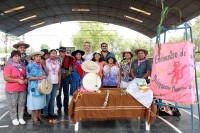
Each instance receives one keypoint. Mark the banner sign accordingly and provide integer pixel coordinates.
(173, 74)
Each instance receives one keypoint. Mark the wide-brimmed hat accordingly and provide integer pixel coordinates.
(46, 51)
(62, 49)
(77, 51)
(127, 51)
(36, 53)
(90, 66)
(21, 43)
(141, 49)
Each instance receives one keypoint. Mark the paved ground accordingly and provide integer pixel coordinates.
(161, 125)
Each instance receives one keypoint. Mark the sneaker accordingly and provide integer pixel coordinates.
(22, 122)
(15, 122)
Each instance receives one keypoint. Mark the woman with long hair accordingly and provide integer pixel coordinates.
(111, 73)
(97, 58)
(125, 68)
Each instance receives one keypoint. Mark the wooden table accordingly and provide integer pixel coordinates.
(89, 106)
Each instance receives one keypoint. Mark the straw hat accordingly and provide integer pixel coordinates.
(127, 51)
(90, 67)
(36, 53)
(91, 82)
(141, 49)
(21, 43)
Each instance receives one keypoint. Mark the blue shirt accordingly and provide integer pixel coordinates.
(108, 55)
(33, 71)
(141, 70)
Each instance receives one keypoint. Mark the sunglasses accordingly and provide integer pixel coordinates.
(104, 46)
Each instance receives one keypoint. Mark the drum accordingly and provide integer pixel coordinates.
(91, 82)
(45, 86)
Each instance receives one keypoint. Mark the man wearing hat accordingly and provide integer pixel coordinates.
(66, 68)
(21, 47)
(141, 68)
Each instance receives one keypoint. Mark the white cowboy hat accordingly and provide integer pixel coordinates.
(90, 66)
(36, 53)
(127, 50)
(21, 43)
(91, 82)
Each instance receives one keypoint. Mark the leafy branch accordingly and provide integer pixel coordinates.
(164, 14)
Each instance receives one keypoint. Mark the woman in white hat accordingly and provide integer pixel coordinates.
(97, 58)
(35, 73)
(125, 68)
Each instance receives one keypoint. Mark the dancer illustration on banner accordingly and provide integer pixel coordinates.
(177, 72)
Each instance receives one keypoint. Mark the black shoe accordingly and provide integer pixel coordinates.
(53, 116)
(59, 111)
(66, 111)
(26, 114)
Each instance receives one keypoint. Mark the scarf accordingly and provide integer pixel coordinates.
(140, 62)
(18, 65)
(38, 65)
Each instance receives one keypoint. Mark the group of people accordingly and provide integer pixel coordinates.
(24, 72)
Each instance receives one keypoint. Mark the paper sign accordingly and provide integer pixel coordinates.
(173, 74)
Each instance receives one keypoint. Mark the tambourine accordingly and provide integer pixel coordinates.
(45, 86)
(91, 82)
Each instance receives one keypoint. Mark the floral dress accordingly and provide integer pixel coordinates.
(35, 100)
(110, 77)
(125, 70)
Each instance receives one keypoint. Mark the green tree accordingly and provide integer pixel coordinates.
(96, 33)
(45, 46)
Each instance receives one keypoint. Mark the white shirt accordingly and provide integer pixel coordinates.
(53, 70)
(89, 56)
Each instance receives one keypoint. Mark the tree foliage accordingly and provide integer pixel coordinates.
(97, 33)
(45, 46)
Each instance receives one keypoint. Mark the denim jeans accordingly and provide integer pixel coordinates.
(50, 101)
(64, 85)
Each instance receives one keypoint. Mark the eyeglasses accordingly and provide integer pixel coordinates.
(104, 46)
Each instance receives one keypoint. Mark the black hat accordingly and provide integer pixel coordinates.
(111, 56)
(78, 51)
(45, 51)
(62, 49)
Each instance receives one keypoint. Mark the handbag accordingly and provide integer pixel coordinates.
(45, 86)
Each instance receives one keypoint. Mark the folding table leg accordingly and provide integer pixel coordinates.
(76, 126)
(147, 126)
